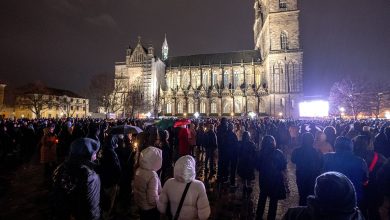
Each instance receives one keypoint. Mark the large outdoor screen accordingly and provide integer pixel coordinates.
(317, 108)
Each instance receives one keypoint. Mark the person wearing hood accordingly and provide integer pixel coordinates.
(345, 162)
(195, 204)
(334, 198)
(308, 163)
(48, 150)
(147, 186)
(110, 173)
(76, 185)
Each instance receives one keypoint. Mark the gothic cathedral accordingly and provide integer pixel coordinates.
(266, 80)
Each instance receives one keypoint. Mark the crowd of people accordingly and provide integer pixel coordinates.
(342, 166)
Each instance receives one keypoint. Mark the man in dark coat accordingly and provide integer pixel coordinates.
(384, 187)
(210, 144)
(76, 188)
(345, 162)
(308, 163)
(334, 198)
(381, 142)
(232, 154)
(223, 155)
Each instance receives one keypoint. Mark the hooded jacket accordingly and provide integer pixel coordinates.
(196, 204)
(147, 186)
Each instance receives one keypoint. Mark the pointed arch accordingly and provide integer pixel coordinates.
(284, 40)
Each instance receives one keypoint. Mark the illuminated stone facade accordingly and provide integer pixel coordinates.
(143, 69)
(266, 80)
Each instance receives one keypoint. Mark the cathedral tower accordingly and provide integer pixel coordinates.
(164, 50)
(276, 35)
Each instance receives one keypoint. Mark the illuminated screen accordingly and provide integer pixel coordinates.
(317, 108)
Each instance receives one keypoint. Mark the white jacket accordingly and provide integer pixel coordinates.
(147, 185)
(196, 204)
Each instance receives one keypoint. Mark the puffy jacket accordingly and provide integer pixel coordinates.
(147, 186)
(76, 190)
(196, 204)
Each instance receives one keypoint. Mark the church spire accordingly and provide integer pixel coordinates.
(165, 49)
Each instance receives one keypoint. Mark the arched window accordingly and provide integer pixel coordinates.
(180, 108)
(206, 80)
(283, 41)
(213, 108)
(283, 4)
(202, 107)
(190, 108)
(215, 78)
(169, 108)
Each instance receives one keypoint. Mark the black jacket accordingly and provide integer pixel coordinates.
(210, 140)
(76, 191)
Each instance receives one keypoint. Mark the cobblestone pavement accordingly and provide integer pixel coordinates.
(24, 195)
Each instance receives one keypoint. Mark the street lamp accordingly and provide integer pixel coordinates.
(252, 115)
(387, 115)
(232, 114)
(342, 111)
(148, 114)
(280, 114)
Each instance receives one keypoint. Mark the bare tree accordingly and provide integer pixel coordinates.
(350, 94)
(35, 97)
(135, 100)
(106, 92)
(376, 92)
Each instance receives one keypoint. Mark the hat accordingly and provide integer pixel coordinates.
(84, 147)
(334, 193)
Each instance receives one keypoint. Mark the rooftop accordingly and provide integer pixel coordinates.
(245, 56)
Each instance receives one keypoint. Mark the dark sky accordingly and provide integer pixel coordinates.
(64, 42)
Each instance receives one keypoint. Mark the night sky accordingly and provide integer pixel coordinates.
(64, 42)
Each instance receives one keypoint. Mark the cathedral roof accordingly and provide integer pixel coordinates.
(245, 56)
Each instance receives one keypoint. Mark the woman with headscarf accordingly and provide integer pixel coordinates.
(195, 204)
(271, 165)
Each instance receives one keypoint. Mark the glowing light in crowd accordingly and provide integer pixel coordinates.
(318, 108)
(252, 114)
(196, 114)
(342, 109)
(387, 115)
(148, 114)
(280, 114)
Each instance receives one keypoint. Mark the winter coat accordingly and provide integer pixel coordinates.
(355, 168)
(210, 140)
(246, 161)
(76, 191)
(192, 136)
(307, 213)
(381, 143)
(147, 186)
(196, 204)
(184, 145)
(110, 168)
(231, 143)
(49, 148)
(271, 166)
(308, 163)
(200, 137)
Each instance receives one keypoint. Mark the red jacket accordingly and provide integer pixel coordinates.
(184, 146)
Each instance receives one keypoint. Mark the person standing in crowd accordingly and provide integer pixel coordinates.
(110, 174)
(321, 144)
(334, 198)
(76, 185)
(184, 144)
(223, 155)
(381, 142)
(383, 178)
(210, 144)
(192, 138)
(147, 185)
(330, 133)
(373, 197)
(246, 163)
(200, 136)
(195, 204)
(271, 165)
(345, 162)
(48, 144)
(308, 163)
(167, 153)
(232, 154)
(64, 141)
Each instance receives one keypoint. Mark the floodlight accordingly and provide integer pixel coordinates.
(317, 108)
